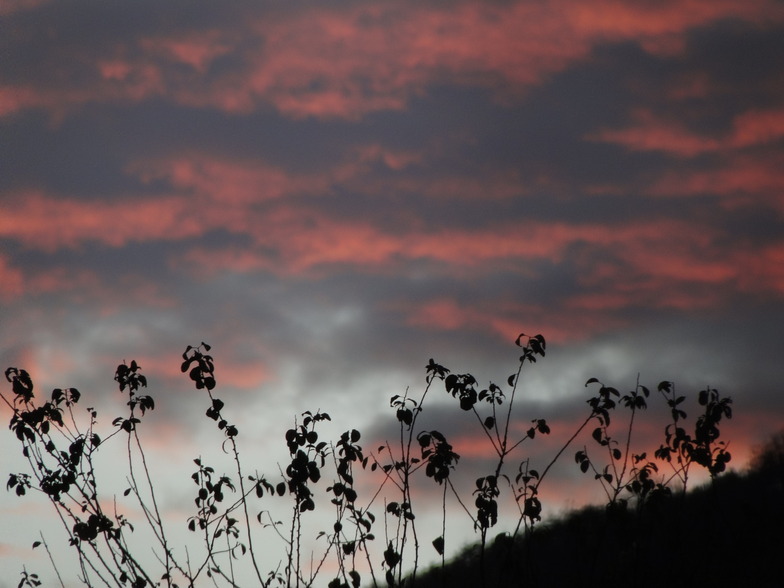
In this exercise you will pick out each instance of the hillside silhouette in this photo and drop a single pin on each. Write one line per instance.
(727, 533)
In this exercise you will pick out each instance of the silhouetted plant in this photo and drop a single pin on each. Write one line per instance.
(681, 450)
(61, 451)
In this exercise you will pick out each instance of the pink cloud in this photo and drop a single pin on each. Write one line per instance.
(680, 260)
(695, 84)
(391, 158)
(120, 81)
(442, 313)
(740, 180)
(327, 62)
(295, 239)
(82, 286)
(195, 50)
(47, 222)
(310, 66)
(618, 19)
(757, 127)
(651, 133)
(11, 280)
(764, 270)
(305, 239)
(495, 185)
(233, 182)
(244, 182)
(503, 319)
(15, 98)
(12, 6)
(206, 262)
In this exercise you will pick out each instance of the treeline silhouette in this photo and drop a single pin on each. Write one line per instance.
(729, 532)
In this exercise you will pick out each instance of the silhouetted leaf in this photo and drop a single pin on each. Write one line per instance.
(597, 434)
(391, 557)
(355, 578)
(438, 543)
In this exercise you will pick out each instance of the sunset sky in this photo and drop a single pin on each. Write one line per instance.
(332, 193)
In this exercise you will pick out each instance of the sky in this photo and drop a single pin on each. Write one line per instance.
(332, 193)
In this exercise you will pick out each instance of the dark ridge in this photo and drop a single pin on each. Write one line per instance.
(727, 533)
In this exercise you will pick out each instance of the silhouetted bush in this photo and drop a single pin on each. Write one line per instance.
(650, 530)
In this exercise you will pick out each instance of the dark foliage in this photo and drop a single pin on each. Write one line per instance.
(727, 533)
